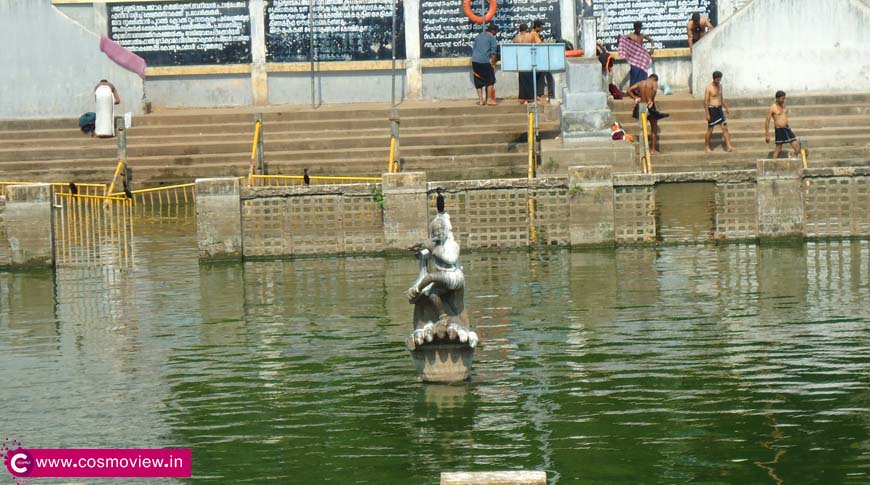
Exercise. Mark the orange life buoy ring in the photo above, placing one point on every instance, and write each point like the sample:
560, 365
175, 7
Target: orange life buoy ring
490, 13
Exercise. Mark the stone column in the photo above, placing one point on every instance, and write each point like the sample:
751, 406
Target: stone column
413, 70
780, 199
406, 210
259, 76
568, 20
28, 225
585, 114
590, 203
218, 218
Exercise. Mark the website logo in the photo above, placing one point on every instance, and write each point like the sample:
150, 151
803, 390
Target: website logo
19, 462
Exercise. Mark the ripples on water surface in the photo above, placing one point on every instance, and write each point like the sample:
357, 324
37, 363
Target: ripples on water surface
728, 364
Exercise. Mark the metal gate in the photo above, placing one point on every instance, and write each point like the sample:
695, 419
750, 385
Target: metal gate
93, 232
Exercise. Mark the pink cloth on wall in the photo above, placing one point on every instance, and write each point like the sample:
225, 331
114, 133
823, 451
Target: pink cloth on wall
122, 56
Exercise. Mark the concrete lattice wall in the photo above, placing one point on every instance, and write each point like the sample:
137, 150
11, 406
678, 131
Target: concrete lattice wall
798, 46
590, 207
49, 64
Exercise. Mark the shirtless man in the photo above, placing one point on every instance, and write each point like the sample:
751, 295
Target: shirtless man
784, 135
645, 91
697, 28
638, 73
714, 102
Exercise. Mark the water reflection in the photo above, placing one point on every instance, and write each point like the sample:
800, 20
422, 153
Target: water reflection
726, 364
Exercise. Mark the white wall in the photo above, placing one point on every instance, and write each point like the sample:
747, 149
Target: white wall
49, 64
799, 46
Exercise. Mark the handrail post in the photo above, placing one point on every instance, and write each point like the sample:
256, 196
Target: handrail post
261, 164
645, 157
531, 144
394, 139
122, 152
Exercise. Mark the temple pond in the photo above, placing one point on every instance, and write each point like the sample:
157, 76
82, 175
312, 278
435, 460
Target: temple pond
703, 363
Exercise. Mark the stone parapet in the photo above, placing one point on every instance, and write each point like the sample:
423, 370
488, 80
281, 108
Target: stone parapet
405, 206
590, 198
780, 199
218, 218
28, 221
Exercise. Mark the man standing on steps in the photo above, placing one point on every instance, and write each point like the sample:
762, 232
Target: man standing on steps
784, 135
645, 91
714, 101
631, 49
483, 60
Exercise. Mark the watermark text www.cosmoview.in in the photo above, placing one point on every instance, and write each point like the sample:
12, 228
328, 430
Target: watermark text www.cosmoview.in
98, 463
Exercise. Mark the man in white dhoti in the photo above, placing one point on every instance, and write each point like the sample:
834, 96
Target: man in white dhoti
106, 97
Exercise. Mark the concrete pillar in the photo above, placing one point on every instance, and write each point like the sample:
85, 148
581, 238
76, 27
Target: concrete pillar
413, 70
259, 76
28, 225
5, 251
589, 36
590, 203
219, 218
568, 24
406, 211
585, 113
780, 199
494, 478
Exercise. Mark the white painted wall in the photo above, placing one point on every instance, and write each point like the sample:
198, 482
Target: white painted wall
799, 46
49, 64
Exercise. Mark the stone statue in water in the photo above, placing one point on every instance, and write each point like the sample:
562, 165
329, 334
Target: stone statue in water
441, 345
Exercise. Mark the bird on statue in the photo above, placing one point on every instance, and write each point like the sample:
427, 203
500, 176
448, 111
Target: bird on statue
73, 188
305, 177
439, 201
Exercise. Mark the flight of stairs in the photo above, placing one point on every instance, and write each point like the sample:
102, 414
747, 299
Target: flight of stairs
446, 139
834, 128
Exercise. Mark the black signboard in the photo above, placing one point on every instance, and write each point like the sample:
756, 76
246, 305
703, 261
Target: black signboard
663, 20
446, 32
183, 33
343, 30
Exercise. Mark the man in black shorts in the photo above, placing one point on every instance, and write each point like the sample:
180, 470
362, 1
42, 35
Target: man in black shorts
784, 135
714, 101
645, 92
484, 56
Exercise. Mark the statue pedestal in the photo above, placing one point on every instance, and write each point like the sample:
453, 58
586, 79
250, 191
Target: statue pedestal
585, 113
443, 362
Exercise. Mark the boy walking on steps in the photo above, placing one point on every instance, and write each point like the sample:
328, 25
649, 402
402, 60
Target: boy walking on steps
784, 135
714, 102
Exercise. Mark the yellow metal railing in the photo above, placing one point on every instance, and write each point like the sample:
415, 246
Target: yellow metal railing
531, 144
164, 195
83, 188
93, 232
253, 168
393, 164
285, 180
646, 156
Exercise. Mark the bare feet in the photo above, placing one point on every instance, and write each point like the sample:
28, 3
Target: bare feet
491, 103
708, 150
481, 103
655, 152
729, 149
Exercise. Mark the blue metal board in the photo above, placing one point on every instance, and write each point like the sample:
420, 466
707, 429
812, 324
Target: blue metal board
518, 57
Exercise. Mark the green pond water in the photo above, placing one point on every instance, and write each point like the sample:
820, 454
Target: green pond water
703, 364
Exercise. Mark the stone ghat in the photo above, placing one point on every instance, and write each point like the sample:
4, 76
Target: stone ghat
590, 207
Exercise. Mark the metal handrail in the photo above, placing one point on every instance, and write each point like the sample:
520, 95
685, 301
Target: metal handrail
531, 144
254, 145
299, 179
